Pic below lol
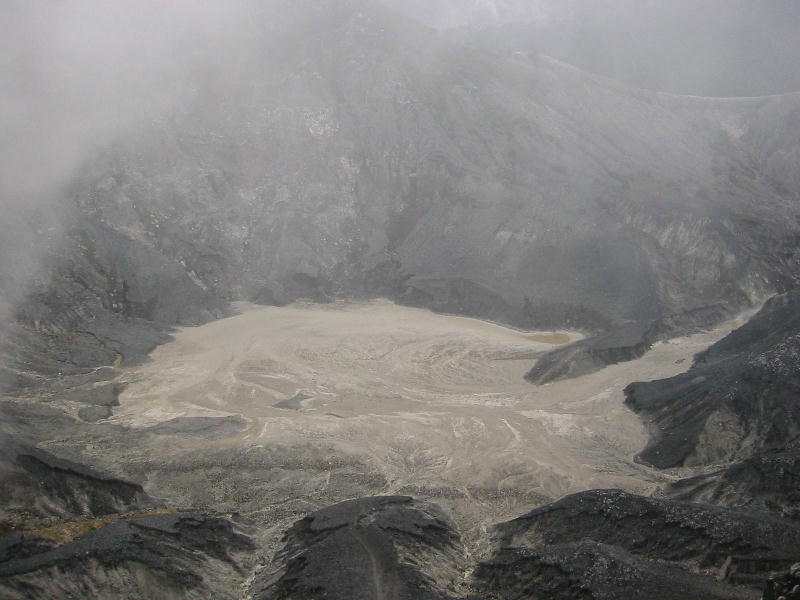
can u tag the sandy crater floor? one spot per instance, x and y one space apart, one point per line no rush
426 400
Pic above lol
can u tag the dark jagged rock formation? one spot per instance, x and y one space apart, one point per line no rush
372 548
37 484
587 570
622 344
168 556
459 296
700 537
199 426
786 585
739 398
688 322
768 481
588 356
108 299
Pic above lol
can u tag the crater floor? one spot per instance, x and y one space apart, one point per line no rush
406 400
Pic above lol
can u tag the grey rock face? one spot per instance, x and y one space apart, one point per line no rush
622 345
199 426
40 484
100 394
690 534
371 548
588 570
370 156
173 556
719 48
63 334
94 413
605 543
768 481
589 355
785 585
739 397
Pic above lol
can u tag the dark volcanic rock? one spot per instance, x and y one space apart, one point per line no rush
371 548
785 585
767 481
40 484
70 382
741 396
107 298
209 427
70 336
99 394
694 535
688 322
460 296
16 546
351 153
588 356
92 414
164 556
622 344
587 570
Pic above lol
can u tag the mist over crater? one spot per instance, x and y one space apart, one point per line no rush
362 299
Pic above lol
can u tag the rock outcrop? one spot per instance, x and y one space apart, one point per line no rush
767 481
38 485
587 570
606 543
785 585
738 399
597 544
383 547
696 535
622 344
165 555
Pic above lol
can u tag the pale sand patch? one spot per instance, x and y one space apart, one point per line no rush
434 400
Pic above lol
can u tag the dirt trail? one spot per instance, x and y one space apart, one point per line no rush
381 591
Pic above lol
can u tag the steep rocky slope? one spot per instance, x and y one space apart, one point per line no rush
739 398
605 543
733 416
38 485
168 556
386 547
588 570
768 481
599 544
351 152
695 535
622 344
